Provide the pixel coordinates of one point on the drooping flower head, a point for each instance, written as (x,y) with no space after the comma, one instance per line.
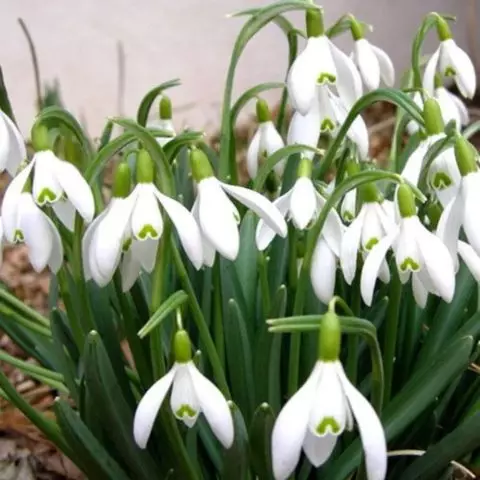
(164,122)
(12,146)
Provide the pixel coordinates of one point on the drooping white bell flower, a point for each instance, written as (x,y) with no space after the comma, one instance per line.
(164,122)
(372,224)
(192,394)
(321,62)
(418,254)
(348,207)
(218,217)
(12,146)
(133,226)
(319,412)
(372,62)
(470,257)
(449,60)
(24,222)
(265,142)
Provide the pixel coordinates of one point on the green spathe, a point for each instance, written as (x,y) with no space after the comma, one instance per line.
(314,22)
(165,108)
(443,29)
(122,181)
(356,29)
(330,338)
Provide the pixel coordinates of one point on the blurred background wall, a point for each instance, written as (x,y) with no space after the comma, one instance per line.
(77,41)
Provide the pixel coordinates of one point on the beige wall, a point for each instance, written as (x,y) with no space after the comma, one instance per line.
(191,39)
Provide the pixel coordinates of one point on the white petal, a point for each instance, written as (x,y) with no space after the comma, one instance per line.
(406,247)
(130,268)
(420,293)
(264,234)
(147,220)
(430,71)
(367,63)
(11,200)
(56,255)
(187,228)
(413,167)
(207,248)
(351,246)
(471,259)
(412,125)
(372,265)
(323,270)
(447,106)
(184,401)
(65,212)
(387,70)
(303,75)
(371,431)
(349,206)
(76,188)
(148,408)
(349,83)
(318,449)
(214,407)
(145,252)
(45,188)
(471,201)
(252,155)
(333,230)
(449,225)
(291,426)
(303,202)
(12,146)
(217,220)
(384,272)
(260,205)
(305,129)
(272,141)
(462,109)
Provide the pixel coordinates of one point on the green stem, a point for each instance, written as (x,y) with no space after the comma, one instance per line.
(22,309)
(200,322)
(264,285)
(352,342)
(218,333)
(391,331)
(26,323)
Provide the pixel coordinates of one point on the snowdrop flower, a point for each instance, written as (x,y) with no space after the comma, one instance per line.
(373,63)
(12,146)
(371,225)
(265,142)
(418,253)
(218,217)
(450,60)
(321,410)
(348,207)
(443,176)
(321,62)
(132,225)
(462,210)
(24,222)
(192,394)
(165,121)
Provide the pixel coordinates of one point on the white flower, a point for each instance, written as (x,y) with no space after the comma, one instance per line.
(23,221)
(451,106)
(322,63)
(317,414)
(165,125)
(371,225)
(265,142)
(418,253)
(471,258)
(348,207)
(218,217)
(192,394)
(374,64)
(133,226)
(12,146)
(451,61)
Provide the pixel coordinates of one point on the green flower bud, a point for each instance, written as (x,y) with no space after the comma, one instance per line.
(165,108)
(263,112)
(330,338)
(122,181)
(200,165)
(465,156)
(443,29)
(182,347)
(433,117)
(406,201)
(314,22)
(40,138)
(304,168)
(145,167)
(356,28)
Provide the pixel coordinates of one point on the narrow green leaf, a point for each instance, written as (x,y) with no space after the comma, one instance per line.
(235,464)
(149,98)
(260,434)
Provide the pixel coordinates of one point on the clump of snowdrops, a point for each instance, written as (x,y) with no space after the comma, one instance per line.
(290,327)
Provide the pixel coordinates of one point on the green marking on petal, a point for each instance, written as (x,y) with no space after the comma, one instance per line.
(326,77)
(441,180)
(348,217)
(126,245)
(409,264)
(185,411)
(327,125)
(147,231)
(449,71)
(18,236)
(371,243)
(46,196)
(327,424)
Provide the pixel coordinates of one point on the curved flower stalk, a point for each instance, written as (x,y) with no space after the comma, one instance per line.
(449,60)
(24,222)
(374,222)
(218,217)
(373,63)
(12,146)
(265,142)
(321,62)
(322,409)
(192,394)
(418,253)
(130,228)
(164,122)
